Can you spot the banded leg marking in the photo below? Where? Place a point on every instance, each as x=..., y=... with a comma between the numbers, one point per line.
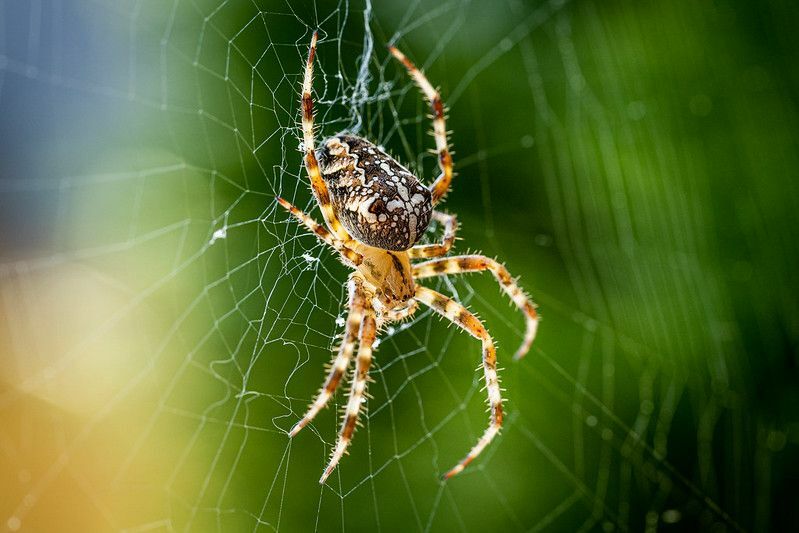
x=318, y=185
x=478, y=263
x=461, y=317
x=450, y=223
x=357, y=304
x=440, y=187
x=357, y=389
x=325, y=236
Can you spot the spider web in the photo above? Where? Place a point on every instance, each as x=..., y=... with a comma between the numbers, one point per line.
x=165, y=324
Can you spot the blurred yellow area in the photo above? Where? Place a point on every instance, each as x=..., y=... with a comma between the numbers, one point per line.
x=76, y=354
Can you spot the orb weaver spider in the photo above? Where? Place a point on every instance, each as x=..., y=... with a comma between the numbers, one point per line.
x=375, y=210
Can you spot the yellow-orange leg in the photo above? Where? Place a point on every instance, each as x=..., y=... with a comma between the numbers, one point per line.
x=325, y=236
x=311, y=164
x=461, y=316
x=478, y=263
x=357, y=305
x=440, y=187
x=397, y=315
x=450, y=223
x=357, y=389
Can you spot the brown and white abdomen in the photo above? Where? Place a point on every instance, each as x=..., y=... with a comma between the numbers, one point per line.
x=379, y=202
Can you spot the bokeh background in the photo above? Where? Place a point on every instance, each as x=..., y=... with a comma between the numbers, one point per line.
x=163, y=324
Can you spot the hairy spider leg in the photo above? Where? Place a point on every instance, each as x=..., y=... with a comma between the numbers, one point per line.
x=450, y=223
x=460, y=316
x=440, y=187
x=357, y=389
x=325, y=236
x=478, y=263
x=397, y=315
x=356, y=305
x=318, y=185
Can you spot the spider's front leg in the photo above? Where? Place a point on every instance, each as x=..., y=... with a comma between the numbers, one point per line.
x=325, y=236
x=450, y=223
x=357, y=306
x=461, y=317
x=318, y=185
x=478, y=263
x=363, y=360
x=441, y=185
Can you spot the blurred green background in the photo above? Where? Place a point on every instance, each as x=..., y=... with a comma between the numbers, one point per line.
x=163, y=324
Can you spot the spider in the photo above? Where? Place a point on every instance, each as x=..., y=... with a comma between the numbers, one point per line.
x=375, y=211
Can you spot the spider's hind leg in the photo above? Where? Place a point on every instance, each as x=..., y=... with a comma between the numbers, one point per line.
x=358, y=388
x=357, y=304
x=461, y=317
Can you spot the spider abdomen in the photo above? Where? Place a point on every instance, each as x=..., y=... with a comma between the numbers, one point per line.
x=379, y=202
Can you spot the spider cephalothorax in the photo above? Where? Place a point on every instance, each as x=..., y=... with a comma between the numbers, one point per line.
x=379, y=202
x=375, y=211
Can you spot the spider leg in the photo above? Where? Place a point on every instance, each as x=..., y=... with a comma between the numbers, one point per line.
x=450, y=223
x=357, y=304
x=357, y=389
x=441, y=185
x=461, y=317
x=478, y=263
x=396, y=315
x=325, y=236
x=318, y=185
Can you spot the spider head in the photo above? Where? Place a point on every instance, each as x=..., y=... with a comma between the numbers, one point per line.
x=379, y=202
